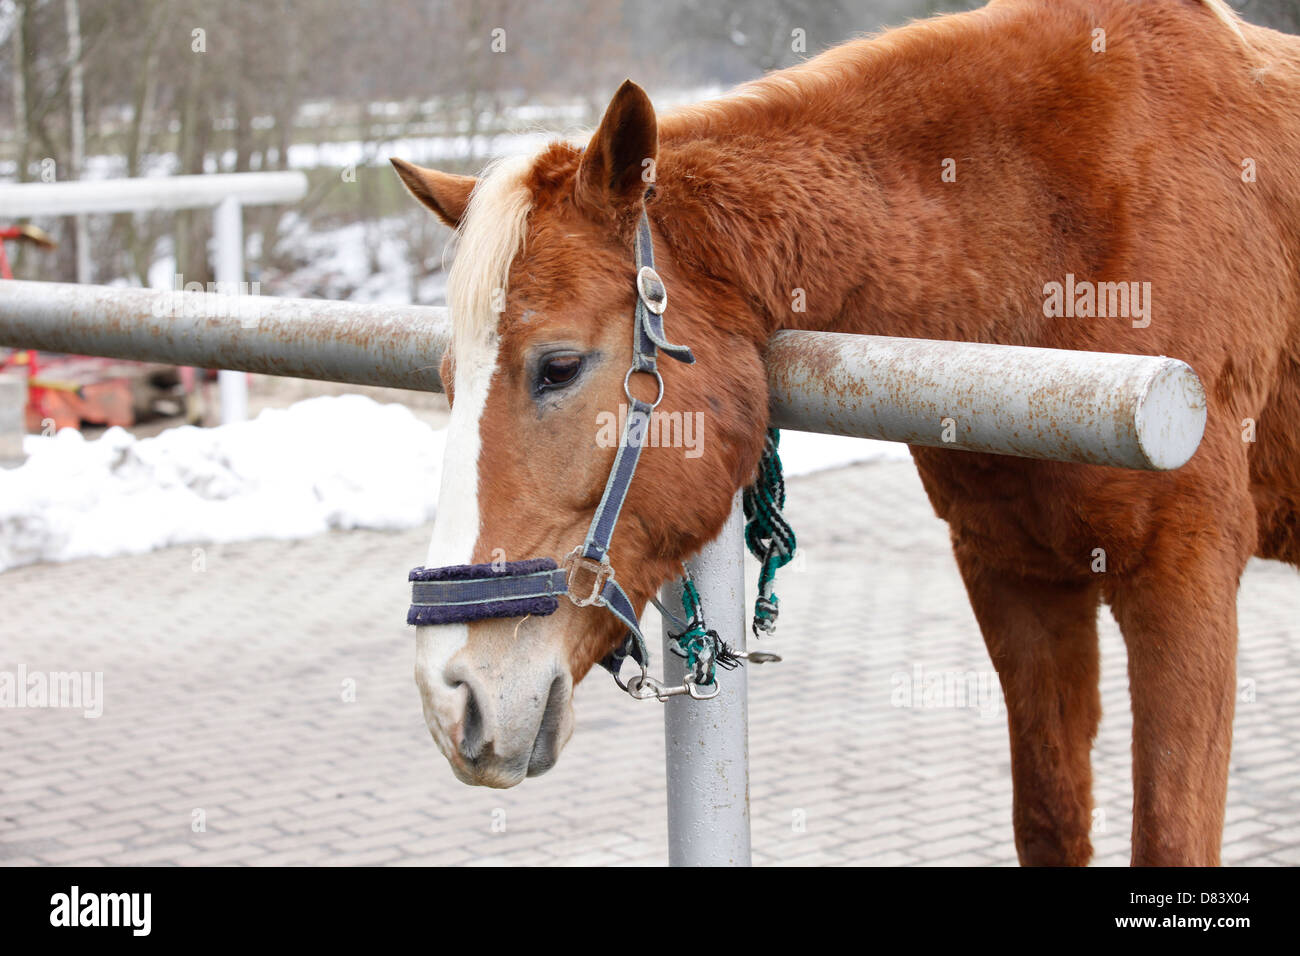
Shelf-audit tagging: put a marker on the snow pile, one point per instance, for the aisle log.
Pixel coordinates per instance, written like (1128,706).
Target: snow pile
(326,463)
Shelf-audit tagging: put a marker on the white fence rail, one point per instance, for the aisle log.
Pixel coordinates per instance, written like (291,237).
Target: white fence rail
(148,194)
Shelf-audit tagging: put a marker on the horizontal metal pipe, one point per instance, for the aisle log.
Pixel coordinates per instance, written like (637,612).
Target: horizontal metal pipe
(142,194)
(1134,411)
(1102,408)
(389,345)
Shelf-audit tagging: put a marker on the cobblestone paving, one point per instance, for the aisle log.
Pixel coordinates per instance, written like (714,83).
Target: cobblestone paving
(224,693)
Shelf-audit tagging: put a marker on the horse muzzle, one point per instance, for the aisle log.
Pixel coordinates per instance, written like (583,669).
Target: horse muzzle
(495,724)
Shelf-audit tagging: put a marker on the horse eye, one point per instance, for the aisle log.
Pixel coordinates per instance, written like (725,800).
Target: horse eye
(559,371)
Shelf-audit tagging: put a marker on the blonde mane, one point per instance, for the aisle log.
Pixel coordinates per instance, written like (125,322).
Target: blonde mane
(490,236)
(1227,16)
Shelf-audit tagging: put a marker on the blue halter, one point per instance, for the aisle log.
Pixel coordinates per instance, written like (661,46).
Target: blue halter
(472,592)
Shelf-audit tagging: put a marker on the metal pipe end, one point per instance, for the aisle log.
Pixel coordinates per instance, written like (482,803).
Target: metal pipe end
(1170,417)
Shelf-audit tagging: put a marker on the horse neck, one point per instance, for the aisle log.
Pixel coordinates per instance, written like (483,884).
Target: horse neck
(819,194)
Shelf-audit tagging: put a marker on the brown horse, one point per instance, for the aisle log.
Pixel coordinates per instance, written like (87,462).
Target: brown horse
(936,181)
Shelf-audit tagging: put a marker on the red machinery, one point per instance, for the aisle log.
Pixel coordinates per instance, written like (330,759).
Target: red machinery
(37,237)
(67,390)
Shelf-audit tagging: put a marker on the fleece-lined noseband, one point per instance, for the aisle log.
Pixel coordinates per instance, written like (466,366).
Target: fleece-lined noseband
(473,592)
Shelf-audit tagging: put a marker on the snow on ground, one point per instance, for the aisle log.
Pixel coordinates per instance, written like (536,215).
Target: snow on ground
(333,462)
(324,463)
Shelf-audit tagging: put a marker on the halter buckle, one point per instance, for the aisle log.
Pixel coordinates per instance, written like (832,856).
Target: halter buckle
(601,573)
(652,290)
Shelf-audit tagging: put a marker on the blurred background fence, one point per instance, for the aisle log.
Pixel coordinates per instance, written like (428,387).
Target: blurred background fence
(116,88)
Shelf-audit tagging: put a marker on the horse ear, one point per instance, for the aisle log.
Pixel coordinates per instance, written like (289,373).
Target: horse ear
(618,165)
(446,194)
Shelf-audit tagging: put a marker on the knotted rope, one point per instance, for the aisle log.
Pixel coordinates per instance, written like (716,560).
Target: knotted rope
(771,540)
(701,646)
(767,534)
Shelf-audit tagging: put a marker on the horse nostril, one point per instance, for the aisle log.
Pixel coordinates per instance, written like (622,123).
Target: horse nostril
(546,746)
(471,727)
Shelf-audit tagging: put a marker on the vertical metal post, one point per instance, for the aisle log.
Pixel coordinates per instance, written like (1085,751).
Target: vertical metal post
(13,417)
(228,236)
(707,741)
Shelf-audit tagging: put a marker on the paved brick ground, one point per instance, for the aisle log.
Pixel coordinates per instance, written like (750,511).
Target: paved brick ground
(224,693)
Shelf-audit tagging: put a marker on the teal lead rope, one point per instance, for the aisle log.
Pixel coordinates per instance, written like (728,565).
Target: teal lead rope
(768,536)
(697,643)
(771,540)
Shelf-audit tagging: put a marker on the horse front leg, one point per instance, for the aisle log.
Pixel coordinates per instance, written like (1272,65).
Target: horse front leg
(1179,617)
(1042,638)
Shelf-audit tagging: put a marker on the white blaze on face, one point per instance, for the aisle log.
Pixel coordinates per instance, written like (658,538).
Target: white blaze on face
(490,237)
(455,532)
(456,528)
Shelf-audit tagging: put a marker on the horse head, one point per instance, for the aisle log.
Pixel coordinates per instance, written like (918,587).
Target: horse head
(543,292)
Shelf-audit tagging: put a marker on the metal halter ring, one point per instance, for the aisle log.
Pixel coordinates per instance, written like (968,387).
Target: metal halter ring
(627,379)
(639,681)
(644,687)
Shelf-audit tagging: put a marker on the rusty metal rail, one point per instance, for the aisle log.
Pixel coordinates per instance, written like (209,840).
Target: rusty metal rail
(398,346)
(1134,411)
(1101,408)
